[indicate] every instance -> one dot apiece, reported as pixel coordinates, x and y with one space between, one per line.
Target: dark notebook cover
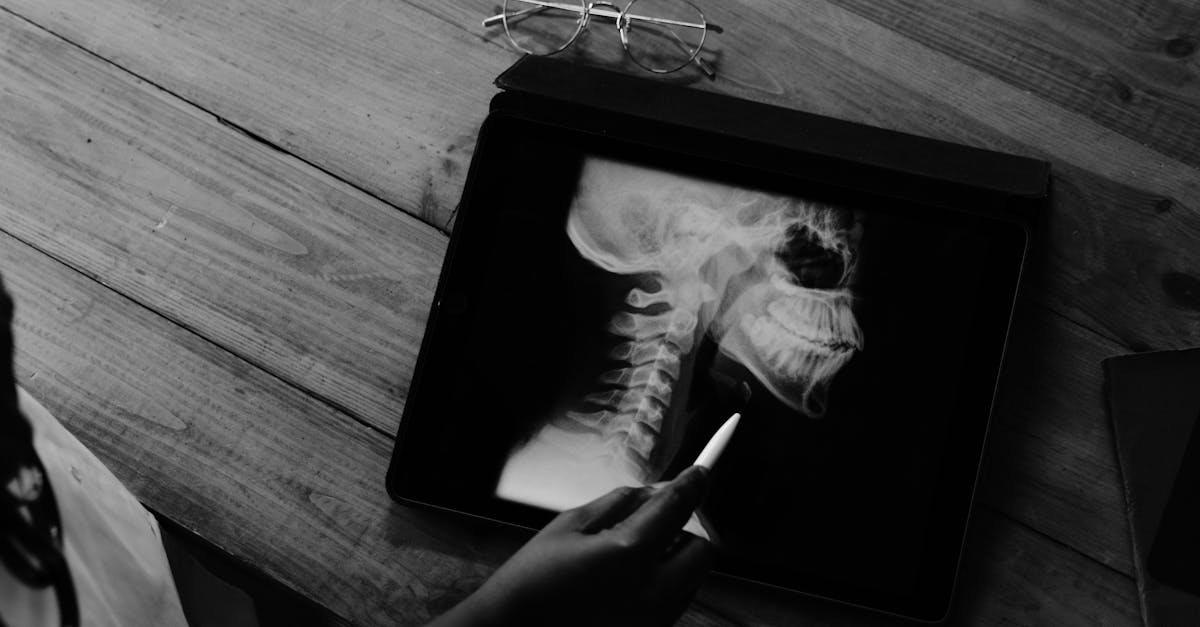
1153 402
1175 555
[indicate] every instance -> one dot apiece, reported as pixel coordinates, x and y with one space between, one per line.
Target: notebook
1153 403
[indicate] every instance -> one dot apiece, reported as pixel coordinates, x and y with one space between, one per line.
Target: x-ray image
725 290
606 306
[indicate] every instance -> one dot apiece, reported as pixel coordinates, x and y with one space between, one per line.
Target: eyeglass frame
621 18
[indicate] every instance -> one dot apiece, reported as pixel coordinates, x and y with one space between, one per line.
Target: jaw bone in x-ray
767 276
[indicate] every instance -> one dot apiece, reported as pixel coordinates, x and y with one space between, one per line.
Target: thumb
603 512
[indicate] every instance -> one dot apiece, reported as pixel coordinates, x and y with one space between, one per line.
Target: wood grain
1080 276
1113 195
327 288
344 85
1128 66
275 478
1005 561
1051 460
230 452
815 56
224 59
1124 261
212 229
293 487
199 271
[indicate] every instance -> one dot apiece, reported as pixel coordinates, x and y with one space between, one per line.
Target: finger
657 521
681 574
605 511
689 554
8 390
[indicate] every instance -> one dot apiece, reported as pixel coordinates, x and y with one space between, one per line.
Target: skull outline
720 253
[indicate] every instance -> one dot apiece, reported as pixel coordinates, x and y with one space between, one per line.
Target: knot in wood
1180 47
1183 288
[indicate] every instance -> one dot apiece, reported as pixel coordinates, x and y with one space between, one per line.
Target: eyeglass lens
538 27
659 35
668 38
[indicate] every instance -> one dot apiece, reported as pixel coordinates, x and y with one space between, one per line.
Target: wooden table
223 221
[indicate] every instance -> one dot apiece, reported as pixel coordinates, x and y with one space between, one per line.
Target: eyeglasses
661 36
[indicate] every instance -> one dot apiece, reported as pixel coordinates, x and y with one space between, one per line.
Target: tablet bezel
588 132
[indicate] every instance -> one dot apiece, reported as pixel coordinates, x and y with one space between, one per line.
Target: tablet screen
612 306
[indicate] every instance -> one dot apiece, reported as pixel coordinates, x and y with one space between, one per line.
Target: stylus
716 445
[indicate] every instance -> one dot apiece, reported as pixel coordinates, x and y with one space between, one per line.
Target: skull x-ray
606 307
767 280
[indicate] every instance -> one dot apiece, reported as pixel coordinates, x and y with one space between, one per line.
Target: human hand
619 560
8 386
16 438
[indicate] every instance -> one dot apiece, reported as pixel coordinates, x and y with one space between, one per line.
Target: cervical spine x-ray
770 279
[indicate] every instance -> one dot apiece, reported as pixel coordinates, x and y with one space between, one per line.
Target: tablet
612 293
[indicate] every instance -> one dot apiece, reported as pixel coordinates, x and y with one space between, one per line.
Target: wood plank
147 155
1082 282
853 68
1051 462
232 453
1122 64
300 273
1054 442
822 58
1116 251
260 65
345 85
297 490
1122 260
1034 581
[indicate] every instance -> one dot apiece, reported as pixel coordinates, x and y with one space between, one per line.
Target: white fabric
112 544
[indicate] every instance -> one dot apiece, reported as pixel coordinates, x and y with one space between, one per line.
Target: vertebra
628 411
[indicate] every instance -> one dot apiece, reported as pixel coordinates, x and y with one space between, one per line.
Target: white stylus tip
712 451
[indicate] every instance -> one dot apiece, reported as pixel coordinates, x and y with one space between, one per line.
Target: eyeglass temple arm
598 12
498 18
704 66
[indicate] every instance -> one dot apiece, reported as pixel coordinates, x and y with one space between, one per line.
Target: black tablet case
835 152
1153 402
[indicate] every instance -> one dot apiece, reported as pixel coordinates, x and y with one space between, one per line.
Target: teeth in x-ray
827 319
808 357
